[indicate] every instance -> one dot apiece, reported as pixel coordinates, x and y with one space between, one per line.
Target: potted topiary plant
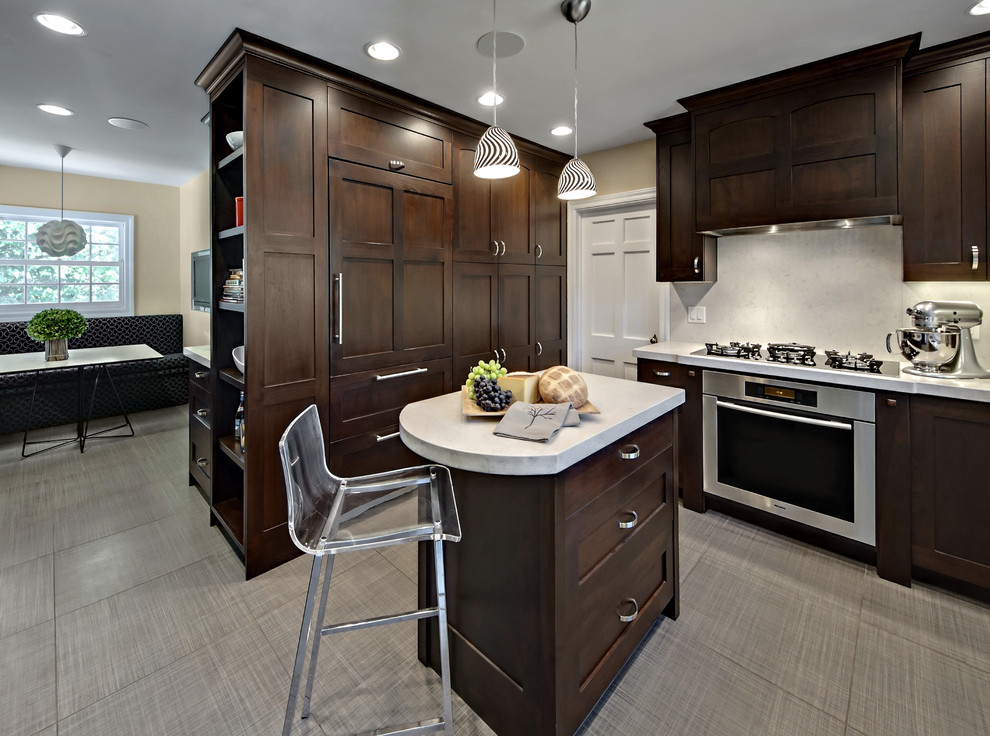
54 327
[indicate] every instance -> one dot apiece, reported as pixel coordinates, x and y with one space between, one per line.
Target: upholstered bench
142 385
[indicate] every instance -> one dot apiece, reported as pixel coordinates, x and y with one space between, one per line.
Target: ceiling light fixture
490 99
60 24
382 50
127 123
61 237
562 130
981 8
576 180
496 156
55 109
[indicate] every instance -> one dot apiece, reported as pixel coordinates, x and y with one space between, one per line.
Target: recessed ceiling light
382 50
127 123
490 99
60 24
55 109
981 8
562 130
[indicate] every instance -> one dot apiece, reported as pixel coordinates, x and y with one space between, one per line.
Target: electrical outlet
696 315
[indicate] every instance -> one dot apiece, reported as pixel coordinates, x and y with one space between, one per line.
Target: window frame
123 307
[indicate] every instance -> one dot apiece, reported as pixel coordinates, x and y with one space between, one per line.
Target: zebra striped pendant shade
496 157
576 181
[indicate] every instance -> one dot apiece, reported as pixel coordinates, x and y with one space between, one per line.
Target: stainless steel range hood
791 227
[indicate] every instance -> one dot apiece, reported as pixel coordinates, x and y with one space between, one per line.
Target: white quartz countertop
436 429
972 389
199 353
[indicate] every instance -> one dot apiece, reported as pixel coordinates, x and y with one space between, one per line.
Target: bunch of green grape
490 369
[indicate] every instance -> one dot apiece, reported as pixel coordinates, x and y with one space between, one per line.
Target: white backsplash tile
835 289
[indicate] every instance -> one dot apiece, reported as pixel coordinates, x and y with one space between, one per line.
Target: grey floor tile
772 627
26 528
700 528
689 554
27 680
221 690
405 557
98 569
107 645
675 686
850 731
902 689
28 595
948 623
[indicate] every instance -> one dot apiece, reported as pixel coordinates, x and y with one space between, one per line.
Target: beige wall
164 234
625 168
194 234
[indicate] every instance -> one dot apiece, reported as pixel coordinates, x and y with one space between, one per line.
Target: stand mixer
940 344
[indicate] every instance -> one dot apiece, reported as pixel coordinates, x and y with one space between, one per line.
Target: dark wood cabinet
682 253
690 442
550 317
391 268
944 176
549 214
200 440
950 488
812 143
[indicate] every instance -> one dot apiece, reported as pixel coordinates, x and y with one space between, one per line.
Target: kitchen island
568 555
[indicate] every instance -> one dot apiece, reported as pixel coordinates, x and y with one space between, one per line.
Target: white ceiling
140 60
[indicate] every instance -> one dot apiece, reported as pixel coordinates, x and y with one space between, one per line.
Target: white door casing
616 303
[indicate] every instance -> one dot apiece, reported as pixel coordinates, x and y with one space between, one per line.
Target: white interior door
619 296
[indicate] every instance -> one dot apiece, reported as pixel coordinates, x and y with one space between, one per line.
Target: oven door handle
784 417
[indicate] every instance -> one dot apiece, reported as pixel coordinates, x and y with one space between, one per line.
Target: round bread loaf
560 384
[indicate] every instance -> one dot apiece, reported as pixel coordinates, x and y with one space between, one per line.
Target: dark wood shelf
235 156
231 232
232 449
231 306
230 514
232 376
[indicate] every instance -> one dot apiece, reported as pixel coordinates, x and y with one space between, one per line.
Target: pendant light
496 157
576 180
61 237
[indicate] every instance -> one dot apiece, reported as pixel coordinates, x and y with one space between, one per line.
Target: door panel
516 286
472 207
475 315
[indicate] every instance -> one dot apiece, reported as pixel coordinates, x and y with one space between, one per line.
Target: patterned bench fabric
142 385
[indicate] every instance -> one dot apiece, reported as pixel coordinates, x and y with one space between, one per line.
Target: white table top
436 429
78 357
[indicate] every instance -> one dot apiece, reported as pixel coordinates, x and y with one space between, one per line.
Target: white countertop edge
973 389
199 353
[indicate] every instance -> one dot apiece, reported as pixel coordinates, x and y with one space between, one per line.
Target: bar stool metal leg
319 636
304 633
448 721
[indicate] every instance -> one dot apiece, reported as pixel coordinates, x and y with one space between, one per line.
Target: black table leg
60 441
102 434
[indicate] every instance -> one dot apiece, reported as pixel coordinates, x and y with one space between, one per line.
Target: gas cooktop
797 354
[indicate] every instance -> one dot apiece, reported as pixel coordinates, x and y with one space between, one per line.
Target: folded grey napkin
534 422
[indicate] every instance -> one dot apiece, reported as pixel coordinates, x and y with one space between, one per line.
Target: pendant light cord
62 191
494 63
575 91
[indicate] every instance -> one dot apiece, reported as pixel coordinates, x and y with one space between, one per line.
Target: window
98 281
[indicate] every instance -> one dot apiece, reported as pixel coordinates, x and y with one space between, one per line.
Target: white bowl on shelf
235 139
238 354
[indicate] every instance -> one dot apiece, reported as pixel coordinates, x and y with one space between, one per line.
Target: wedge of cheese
524 386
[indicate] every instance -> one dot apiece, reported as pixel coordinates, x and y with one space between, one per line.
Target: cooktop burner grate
745 350
863 362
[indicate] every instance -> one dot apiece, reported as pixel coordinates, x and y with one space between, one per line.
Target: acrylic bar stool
330 515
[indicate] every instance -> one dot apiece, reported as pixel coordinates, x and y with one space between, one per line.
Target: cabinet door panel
549 215
943 187
475 315
288 121
424 317
472 207
511 210
516 292
550 316
366 308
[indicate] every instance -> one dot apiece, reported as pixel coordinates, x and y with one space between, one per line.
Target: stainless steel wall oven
798 450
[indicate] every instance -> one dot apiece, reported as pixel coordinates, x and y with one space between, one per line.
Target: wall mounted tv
202 281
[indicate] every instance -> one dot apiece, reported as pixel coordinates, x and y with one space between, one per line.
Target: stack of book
233 287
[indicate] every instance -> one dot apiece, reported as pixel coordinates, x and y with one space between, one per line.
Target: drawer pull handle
697 264
662 374
976 257
632 616
629 524
338 281
539 348
202 462
395 164
385 437
629 452
503 354
539 251
201 374
503 247
495 252
413 372
202 412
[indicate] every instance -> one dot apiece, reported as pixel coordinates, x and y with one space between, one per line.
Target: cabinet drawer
372 452
590 478
366 401
199 410
200 451
660 372
199 380
375 134
596 531
635 582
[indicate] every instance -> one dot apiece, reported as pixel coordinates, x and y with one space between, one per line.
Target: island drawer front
372 452
200 453
620 513
599 641
199 410
199 379
590 478
366 401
